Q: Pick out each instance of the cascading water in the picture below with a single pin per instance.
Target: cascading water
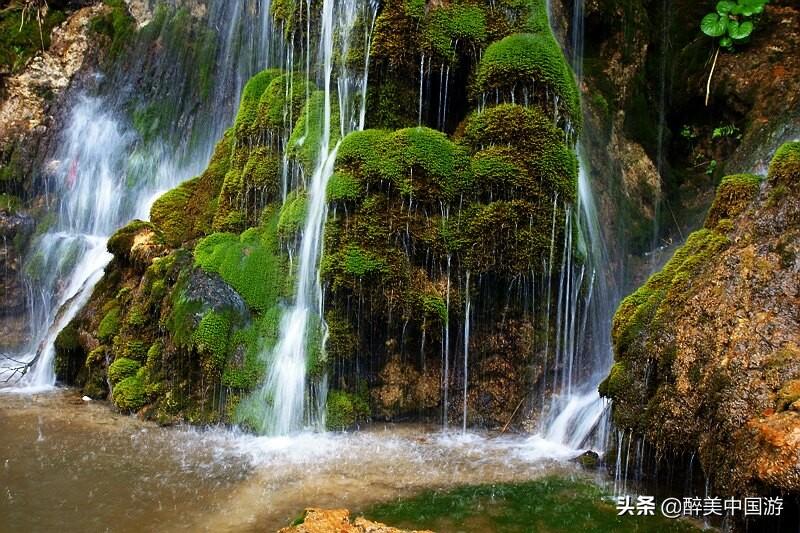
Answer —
(110, 166)
(283, 392)
(577, 416)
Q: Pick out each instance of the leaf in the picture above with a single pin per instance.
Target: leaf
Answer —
(740, 31)
(726, 42)
(713, 25)
(725, 6)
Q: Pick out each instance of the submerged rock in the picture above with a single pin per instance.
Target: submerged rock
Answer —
(338, 521)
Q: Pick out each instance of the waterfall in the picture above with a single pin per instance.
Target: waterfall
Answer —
(283, 392)
(586, 301)
(108, 167)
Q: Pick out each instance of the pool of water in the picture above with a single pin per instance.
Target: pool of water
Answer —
(69, 465)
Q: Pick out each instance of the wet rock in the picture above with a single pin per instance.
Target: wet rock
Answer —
(338, 521)
(15, 227)
(214, 293)
(708, 351)
(404, 390)
(589, 460)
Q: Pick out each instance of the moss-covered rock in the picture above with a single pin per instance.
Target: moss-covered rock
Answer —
(187, 212)
(734, 195)
(251, 263)
(122, 368)
(697, 369)
(530, 67)
(130, 394)
(343, 410)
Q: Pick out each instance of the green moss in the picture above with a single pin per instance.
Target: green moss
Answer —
(419, 162)
(617, 382)
(187, 212)
(733, 196)
(344, 187)
(355, 262)
(281, 103)
(183, 318)
(251, 263)
(68, 339)
(534, 62)
(122, 368)
(306, 139)
(252, 181)
(344, 409)
(249, 104)
(643, 328)
(435, 306)
(509, 137)
(154, 355)
(211, 340)
(785, 166)
(342, 340)
(129, 394)
(109, 326)
(553, 504)
(447, 25)
(249, 348)
(116, 24)
(292, 216)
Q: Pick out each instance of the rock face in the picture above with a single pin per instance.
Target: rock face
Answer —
(14, 230)
(708, 350)
(338, 521)
(31, 98)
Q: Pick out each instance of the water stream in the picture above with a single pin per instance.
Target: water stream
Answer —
(284, 390)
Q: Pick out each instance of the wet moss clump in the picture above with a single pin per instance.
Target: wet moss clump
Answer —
(130, 393)
(456, 24)
(305, 142)
(529, 66)
(344, 410)
(733, 196)
(122, 368)
(109, 326)
(251, 98)
(187, 212)
(784, 170)
(251, 263)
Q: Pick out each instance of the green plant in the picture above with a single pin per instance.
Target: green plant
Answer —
(732, 22)
(688, 133)
(728, 130)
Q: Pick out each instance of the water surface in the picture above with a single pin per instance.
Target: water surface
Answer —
(70, 465)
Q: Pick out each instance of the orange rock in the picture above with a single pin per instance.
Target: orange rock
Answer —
(338, 521)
